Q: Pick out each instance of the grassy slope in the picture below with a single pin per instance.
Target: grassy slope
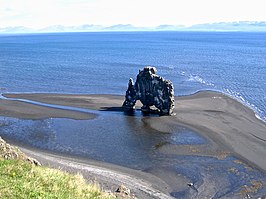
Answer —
(21, 178)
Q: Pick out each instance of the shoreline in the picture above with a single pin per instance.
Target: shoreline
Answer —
(229, 125)
(237, 121)
(9, 95)
(108, 176)
(238, 99)
(209, 105)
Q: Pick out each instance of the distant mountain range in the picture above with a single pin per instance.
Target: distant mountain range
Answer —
(249, 26)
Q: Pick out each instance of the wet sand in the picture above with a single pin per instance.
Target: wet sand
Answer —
(230, 127)
(224, 120)
(109, 176)
(25, 110)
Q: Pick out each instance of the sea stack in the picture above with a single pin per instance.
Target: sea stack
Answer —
(151, 90)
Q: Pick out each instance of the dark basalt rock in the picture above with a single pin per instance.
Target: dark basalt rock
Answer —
(151, 90)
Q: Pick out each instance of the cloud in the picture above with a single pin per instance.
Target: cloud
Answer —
(7, 10)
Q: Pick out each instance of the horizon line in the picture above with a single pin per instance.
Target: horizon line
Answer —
(234, 26)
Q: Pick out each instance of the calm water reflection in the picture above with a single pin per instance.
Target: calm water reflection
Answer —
(128, 140)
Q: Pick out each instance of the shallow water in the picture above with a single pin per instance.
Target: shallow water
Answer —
(230, 62)
(129, 141)
(112, 137)
(218, 178)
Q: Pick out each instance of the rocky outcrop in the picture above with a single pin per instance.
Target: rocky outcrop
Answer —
(124, 193)
(10, 152)
(151, 90)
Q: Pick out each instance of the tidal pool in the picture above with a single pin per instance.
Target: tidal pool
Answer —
(127, 140)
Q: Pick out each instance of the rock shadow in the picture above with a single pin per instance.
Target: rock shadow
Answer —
(135, 112)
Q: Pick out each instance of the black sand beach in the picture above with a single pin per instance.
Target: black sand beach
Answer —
(227, 144)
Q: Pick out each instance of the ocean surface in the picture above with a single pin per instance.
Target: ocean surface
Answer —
(230, 62)
(102, 63)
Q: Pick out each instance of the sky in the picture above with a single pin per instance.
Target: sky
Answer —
(144, 13)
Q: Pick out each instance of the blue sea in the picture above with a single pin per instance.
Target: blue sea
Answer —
(230, 62)
(102, 63)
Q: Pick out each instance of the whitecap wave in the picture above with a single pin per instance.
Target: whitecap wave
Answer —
(239, 97)
(197, 78)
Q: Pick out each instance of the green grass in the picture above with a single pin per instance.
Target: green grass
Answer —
(19, 179)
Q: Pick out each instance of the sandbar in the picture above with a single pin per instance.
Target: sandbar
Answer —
(25, 110)
(225, 120)
(229, 125)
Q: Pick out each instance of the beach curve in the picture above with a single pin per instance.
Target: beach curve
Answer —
(230, 124)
